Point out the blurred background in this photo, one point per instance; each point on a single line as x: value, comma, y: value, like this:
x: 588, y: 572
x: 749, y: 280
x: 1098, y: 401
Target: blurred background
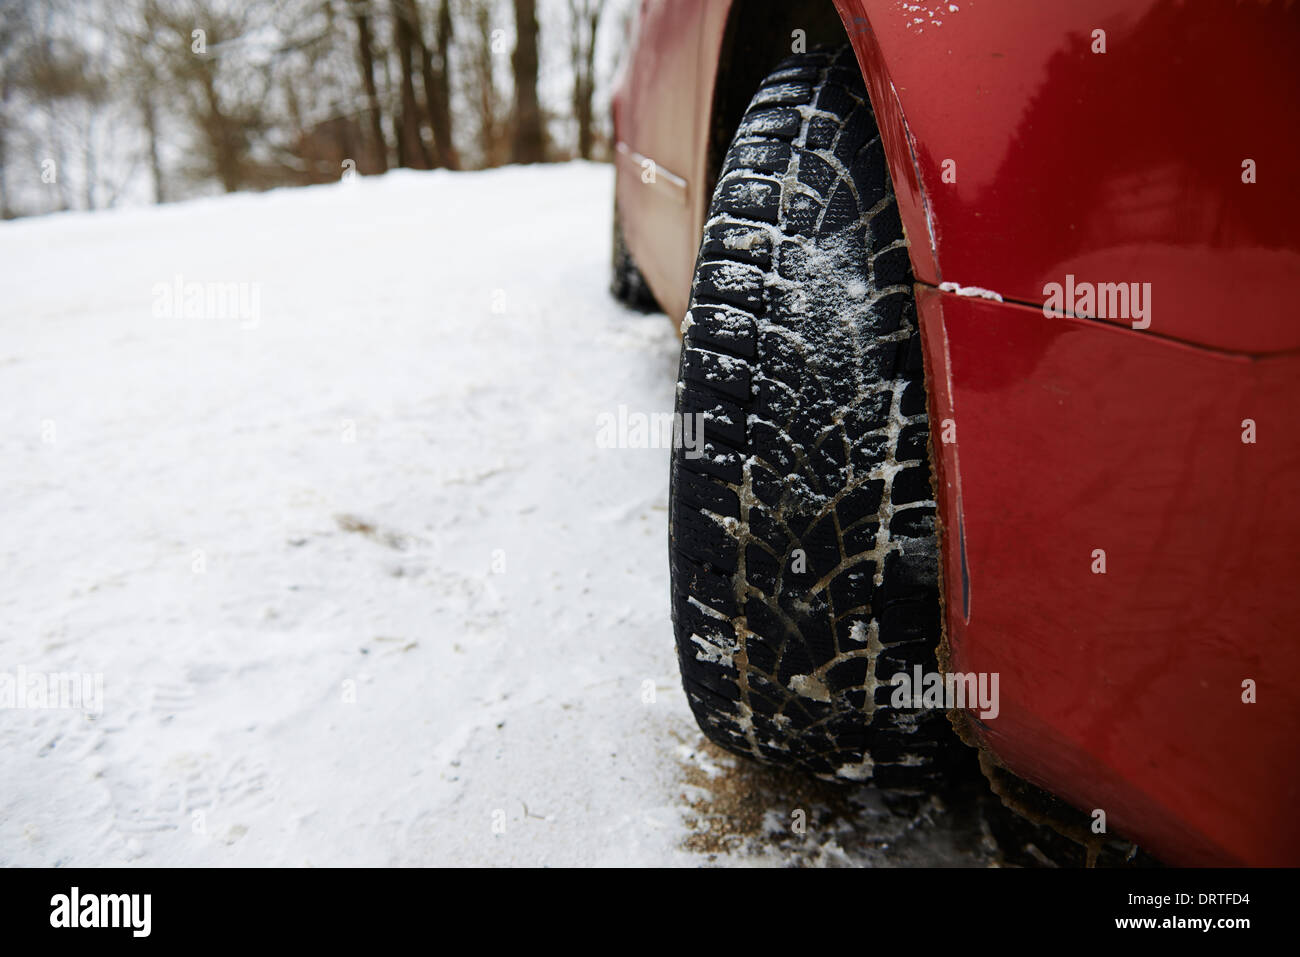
x: 106, y: 103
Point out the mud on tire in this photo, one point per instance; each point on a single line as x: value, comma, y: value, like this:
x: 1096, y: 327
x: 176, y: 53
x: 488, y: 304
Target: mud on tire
x: 802, y: 540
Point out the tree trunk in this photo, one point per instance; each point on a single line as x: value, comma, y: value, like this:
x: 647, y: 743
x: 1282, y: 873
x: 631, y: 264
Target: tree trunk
x: 485, y: 82
x: 88, y: 161
x: 221, y: 136
x: 5, y: 211
x: 149, y: 115
x: 410, y: 146
x: 529, y: 140
x: 365, y: 46
x: 436, y: 66
x: 584, y: 22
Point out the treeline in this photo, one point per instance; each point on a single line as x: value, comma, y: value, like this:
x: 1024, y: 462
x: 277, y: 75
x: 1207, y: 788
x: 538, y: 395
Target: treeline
x: 109, y: 101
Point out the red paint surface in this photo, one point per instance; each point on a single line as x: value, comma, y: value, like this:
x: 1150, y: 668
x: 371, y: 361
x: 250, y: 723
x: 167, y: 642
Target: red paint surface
x: 1117, y: 167
x: 1123, y: 690
x: 661, y: 108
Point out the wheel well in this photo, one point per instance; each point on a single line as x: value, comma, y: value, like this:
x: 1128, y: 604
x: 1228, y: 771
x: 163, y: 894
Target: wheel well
x: 757, y: 37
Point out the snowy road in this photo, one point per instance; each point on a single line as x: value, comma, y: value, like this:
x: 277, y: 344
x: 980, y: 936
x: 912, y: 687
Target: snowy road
x: 361, y: 586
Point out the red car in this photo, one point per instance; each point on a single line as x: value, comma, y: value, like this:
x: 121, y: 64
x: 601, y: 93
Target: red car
x: 989, y: 320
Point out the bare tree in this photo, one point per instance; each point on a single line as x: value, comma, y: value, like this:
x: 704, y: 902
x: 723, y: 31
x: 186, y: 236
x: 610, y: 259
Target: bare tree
x: 222, y: 95
x: 436, y: 67
x: 528, y: 143
x: 149, y: 118
x: 140, y: 79
x: 366, y: 59
x: 483, y: 97
x: 65, y: 80
x: 411, y: 150
x: 584, y: 21
x: 10, y: 23
x: 157, y: 98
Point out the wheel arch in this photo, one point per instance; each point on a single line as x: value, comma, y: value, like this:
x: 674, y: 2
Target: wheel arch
x: 757, y: 35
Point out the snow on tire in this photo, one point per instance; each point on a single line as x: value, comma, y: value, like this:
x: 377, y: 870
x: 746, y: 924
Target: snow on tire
x: 802, y: 541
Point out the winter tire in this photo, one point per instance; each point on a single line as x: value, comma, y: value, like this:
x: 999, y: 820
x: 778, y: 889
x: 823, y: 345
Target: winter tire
x: 802, y: 541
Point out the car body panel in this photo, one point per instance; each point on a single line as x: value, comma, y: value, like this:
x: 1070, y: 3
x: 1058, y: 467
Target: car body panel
x: 659, y: 117
x: 1123, y: 690
x: 1110, y: 167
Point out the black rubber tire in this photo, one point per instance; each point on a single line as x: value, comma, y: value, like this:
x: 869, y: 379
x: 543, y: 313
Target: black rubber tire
x: 801, y: 351
x: 626, y: 284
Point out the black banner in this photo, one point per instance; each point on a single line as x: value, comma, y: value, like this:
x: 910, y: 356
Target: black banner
x: 139, y: 907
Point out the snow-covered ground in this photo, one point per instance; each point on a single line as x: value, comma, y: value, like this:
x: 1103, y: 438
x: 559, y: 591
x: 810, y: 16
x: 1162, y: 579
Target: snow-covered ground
x: 361, y: 586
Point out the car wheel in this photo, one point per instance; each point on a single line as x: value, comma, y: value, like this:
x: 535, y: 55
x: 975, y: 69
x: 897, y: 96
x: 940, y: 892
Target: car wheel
x: 626, y: 284
x: 802, y: 529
